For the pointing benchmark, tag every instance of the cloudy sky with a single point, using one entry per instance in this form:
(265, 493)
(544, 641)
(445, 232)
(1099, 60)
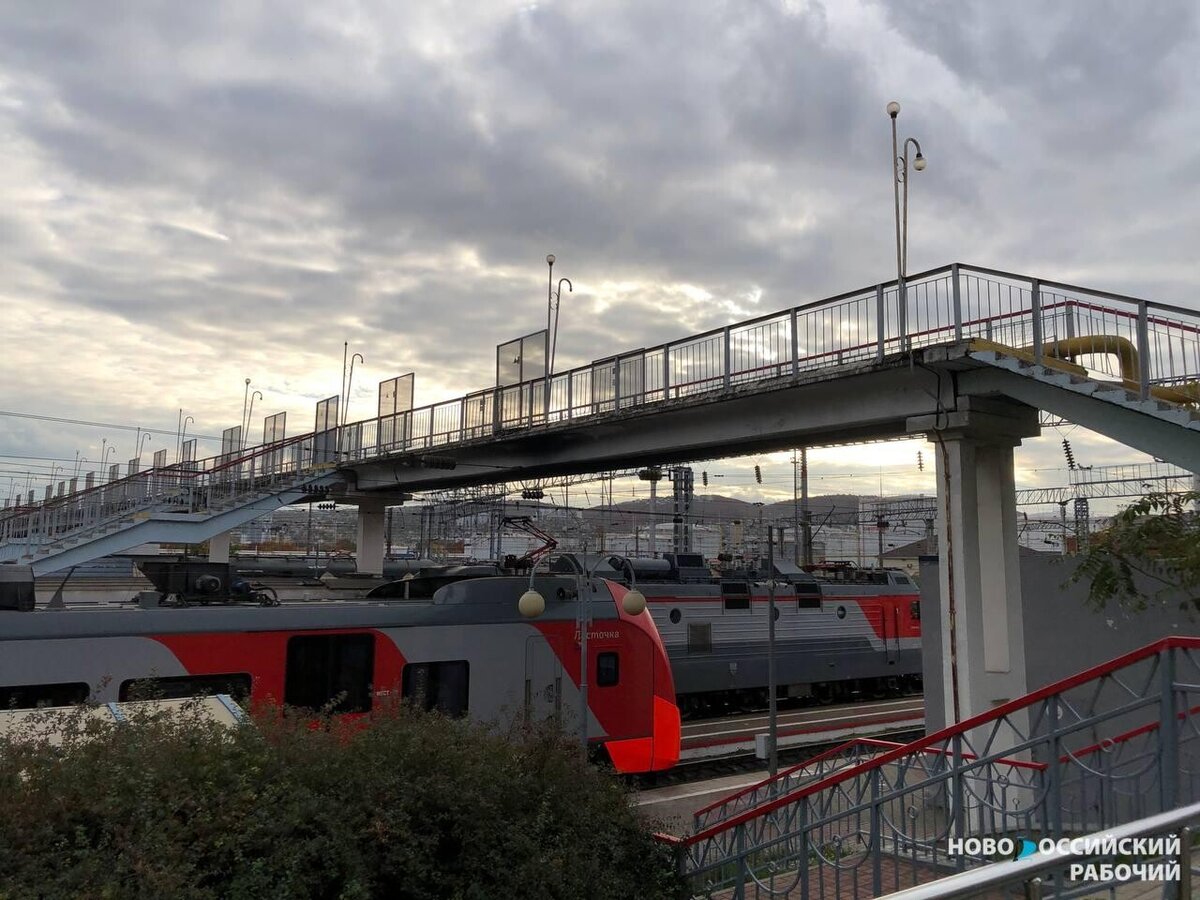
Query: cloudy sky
(194, 194)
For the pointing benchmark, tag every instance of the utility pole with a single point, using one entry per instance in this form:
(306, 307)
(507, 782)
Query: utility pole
(772, 708)
(797, 554)
(805, 511)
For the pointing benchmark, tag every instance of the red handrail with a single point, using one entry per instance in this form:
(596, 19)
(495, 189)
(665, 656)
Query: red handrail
(999, 712)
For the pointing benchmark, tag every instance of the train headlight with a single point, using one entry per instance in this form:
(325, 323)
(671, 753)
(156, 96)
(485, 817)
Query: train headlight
(532, 604)
(634, 602)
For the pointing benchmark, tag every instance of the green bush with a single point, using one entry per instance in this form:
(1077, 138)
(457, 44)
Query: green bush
(413, 806)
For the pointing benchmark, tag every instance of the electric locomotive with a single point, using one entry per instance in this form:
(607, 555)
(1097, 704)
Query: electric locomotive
(840, 631)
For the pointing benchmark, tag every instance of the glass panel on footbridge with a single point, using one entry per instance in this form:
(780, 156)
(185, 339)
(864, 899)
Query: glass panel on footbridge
(274, 430)
(325, 431)
(521, 377)
(395, 403)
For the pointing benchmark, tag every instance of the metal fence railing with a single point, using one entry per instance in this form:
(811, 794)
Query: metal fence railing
(1112, 745)
(203, 486)
(1143, 344)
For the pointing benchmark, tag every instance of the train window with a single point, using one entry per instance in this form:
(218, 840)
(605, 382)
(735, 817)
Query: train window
(32, 696)
(736, 594)
(608, 669)
(903, 579)
(699, 637)
(914, 610)
(676, 615)
(330, 672)
(441, 686)
(808, 597)
(175, 687)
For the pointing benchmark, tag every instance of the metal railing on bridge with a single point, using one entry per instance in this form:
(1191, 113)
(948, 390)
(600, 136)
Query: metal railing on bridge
(1151, 348)
(1114, 744)
(1142, 344)
(202, 486)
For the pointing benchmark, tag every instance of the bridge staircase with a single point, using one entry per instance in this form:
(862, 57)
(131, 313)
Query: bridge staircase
(1162, 419)
(1109, 747)
(185, 504)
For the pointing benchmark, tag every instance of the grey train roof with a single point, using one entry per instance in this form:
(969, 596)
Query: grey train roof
(473, 602)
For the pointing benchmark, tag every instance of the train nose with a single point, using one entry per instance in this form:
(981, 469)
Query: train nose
(667, 735)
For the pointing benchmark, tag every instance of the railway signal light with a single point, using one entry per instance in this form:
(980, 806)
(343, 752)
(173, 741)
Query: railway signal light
(532, 494)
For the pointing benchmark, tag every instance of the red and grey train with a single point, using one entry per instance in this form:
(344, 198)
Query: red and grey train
(840, 631)
(464, 650)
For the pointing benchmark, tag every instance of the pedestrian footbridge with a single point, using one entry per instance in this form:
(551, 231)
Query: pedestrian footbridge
(959, 352)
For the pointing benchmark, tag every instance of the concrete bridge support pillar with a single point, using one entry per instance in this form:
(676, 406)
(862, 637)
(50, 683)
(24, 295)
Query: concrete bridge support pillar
(371, 538)
(983, 663)
(218, 547)
(975, 647)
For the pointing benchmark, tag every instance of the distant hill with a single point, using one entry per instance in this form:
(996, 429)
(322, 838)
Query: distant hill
(716, 508)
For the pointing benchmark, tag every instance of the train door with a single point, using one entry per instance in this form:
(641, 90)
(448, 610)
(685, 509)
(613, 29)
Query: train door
(543, 680)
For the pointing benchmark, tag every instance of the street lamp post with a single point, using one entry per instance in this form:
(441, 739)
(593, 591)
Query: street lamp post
(249, 416)
(900, 180)
(554, 336)
(553, 302)
(245, 419)
(183, 438)
(349, 385)
(772, 687)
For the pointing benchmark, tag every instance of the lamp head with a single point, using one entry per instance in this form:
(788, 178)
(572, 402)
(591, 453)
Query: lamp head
(919, 163)
(532, 604)
(549, 259)
(634, 602)
(893, 109)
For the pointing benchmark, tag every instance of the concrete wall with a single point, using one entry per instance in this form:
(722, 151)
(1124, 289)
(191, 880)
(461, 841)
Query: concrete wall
(1063, 635)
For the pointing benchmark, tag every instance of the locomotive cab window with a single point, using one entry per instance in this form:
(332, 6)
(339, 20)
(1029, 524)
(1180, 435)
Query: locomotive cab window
(441, 686)
(33, 696)
(808, 596)
(736, 594)
(608, 669)
(175, 687)
(330, 672)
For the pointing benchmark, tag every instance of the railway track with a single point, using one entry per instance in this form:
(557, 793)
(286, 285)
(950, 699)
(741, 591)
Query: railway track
(720, 747)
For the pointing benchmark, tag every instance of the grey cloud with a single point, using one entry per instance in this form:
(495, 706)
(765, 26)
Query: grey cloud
(732, 146)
